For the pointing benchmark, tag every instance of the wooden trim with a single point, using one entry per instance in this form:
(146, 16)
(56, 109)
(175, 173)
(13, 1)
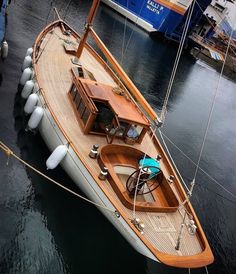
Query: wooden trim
(172, 6)
(142, 134)
(127, 156)
(93, 11)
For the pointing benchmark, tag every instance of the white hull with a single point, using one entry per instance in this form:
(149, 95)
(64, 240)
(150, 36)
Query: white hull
(72, 165)
(131, 16)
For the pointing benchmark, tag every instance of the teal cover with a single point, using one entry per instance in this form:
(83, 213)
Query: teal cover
(152, 163)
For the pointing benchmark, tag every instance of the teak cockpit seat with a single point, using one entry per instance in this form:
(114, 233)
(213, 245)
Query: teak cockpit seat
(121, 161)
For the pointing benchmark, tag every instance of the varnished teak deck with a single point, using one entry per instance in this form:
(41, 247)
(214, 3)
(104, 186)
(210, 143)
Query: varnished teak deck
(54, 77)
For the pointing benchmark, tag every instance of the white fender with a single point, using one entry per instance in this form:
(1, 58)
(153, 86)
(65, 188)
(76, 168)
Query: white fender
(26, 75)
(28, 87)
(4, 49)
(27, 62)
(56, 157)
(31, 103)
(35, 118)
(29, 52)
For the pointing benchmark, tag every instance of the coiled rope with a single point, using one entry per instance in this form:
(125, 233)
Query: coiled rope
(10, 153)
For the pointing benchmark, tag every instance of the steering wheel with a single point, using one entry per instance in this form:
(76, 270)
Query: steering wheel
(143, 180)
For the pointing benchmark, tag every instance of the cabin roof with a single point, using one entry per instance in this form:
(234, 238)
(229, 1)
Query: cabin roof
(122, 106)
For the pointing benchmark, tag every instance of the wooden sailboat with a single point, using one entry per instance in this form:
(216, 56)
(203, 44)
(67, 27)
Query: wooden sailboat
(112, 153)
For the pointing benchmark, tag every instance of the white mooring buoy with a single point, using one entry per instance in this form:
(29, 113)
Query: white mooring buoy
(27, 62)
(35, 118)
(29, 52)
(56, 157)
(4, 50)
(28, 87)
(26, 75)
(31, 103)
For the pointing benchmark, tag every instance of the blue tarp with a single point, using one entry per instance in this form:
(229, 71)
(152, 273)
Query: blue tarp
(152, 163)
(3, 19)
(2, 27)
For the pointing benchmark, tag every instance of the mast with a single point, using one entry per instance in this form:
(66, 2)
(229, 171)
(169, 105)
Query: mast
(88, 24)
(123, 76)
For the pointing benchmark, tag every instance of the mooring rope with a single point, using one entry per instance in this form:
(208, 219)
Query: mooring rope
(10, 153)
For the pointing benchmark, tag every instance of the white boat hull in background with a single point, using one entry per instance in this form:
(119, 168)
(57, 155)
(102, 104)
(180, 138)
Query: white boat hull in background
(131, 16)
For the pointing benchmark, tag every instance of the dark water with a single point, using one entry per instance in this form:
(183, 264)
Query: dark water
(45, 230)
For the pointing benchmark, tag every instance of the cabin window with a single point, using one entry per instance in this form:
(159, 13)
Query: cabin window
(122, 129)
(85, 116)
(82, 111)
(77, 100)
(133, 134)
(81, 108)
(73, 91)
(80, 72)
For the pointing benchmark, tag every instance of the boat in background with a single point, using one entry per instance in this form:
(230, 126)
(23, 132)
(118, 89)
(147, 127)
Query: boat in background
(3, 42)
(214, 53)
(160, 17)
(102, 131)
